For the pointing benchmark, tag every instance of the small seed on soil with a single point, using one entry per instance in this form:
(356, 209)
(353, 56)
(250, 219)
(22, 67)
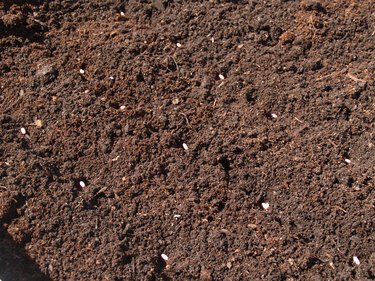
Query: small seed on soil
(184, 145)
(111, 77)
(356, 260)
(348, 161)
(122, 14)
(81, 71)
(175, 101)
(82, 184)
(23, 131)
(273, 115)
(122, 107)
(179, 45)
(164, 257)
(265, 205)
(221, 76)
(177, 216)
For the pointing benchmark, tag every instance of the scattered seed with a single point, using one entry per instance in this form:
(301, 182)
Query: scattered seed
(81, 71)
(23, 131)
(177, 216)
(273, 115)
(212, 40)
(122, 107)
(111, 77)
(175, 101)
(164, 257)
(122, 14)
(265, 205)
(240, 46)
(82, 184)
(184, 145)
(348, 161)
(356, 260)
(221, 76)
(178, 45)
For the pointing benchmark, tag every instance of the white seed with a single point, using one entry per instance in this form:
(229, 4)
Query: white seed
(356, 260)
(221, 76)
(122, 107)
(111, 77)
(164, 257)
(265, 205)
(212, 40)
(23, 131)
(81, 71)
(122, 14)
(82, 184)
(178, 45)
(184, 145)
(177, 216)
(175, 101)
(273, 115)
(348, 161)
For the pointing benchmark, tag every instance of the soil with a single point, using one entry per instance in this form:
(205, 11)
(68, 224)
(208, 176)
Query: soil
(166, 126)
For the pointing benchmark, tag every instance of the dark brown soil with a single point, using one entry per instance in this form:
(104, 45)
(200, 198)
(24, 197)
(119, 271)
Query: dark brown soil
(111, 93)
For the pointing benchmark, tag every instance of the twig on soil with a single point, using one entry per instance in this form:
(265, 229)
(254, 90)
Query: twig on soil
(298, 120)
(331, 142)
(3, 187)
(355, 78)
(338, 207)
(177, 67)
(186, 119)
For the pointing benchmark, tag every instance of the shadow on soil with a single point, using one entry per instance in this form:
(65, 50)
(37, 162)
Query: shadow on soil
(15, 264)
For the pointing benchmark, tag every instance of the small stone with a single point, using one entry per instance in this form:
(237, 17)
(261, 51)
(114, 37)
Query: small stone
(38, 123)
(252, 225)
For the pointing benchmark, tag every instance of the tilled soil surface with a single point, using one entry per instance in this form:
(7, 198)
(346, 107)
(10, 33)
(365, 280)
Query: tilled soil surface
(236, 138)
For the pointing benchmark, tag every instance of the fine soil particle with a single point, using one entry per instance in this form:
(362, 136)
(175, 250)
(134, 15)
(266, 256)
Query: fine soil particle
(166, 127)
